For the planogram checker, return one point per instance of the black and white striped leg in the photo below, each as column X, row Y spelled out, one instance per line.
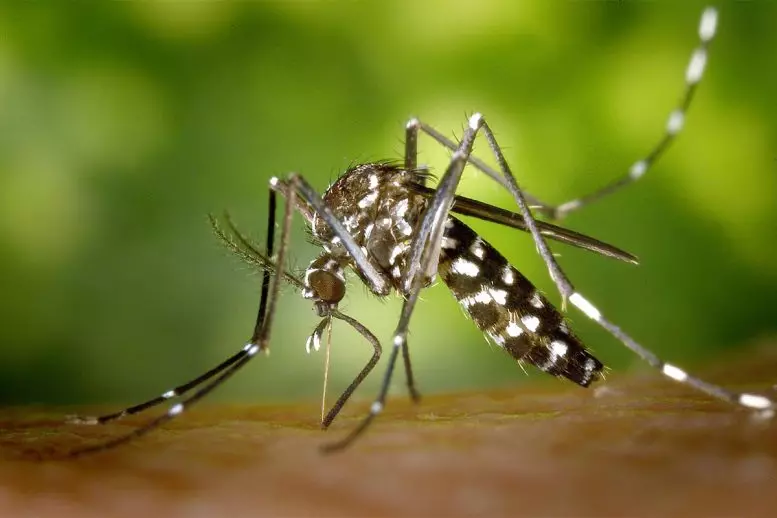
column 674, row 123
column 183, row 389
column 424, row 256
column 762, row 404
column 180, row 390
column 267, row 306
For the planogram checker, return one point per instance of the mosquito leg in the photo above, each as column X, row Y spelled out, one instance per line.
column 411, row 144
column 259, row 341
column 177, row 391
column 674, row 123
column 330, row 416
column 411, row 162
column 181, row 390
column 764, row 405
column 262, row 315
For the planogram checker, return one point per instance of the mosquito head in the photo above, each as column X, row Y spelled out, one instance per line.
column 324, row 283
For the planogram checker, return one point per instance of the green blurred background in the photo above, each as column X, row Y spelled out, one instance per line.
column 122, row 125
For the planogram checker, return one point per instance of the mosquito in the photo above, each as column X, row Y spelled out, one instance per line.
column 381, row 221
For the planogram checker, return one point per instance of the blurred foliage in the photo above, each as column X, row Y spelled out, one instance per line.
column 122, row 124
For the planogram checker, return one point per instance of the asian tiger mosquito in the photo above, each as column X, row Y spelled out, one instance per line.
column 381, row 220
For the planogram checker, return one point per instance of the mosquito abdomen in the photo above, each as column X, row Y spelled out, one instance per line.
column 506, row 305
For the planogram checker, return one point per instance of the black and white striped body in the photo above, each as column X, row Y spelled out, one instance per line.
column 505, row 305
column 381, row 212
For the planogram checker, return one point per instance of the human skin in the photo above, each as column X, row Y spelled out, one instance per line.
column 638, row 445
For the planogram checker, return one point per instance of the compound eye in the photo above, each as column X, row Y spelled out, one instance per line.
column 328, row 287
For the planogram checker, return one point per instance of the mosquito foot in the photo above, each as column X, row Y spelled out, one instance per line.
column 81, row 420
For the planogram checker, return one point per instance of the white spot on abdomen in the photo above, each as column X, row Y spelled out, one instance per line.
column 449, row 243
column 481, row 297
column 514, row 329
column 531, row 322
column 464, row 267
column 477, row 249
column 508, row 277
column 558, row 348
column 499, row 296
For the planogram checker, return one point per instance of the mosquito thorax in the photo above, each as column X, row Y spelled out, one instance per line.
column 376, row 204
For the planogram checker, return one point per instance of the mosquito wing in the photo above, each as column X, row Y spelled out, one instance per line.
column 478, row 209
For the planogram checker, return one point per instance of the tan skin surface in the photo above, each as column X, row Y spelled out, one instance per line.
column 640, row 446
